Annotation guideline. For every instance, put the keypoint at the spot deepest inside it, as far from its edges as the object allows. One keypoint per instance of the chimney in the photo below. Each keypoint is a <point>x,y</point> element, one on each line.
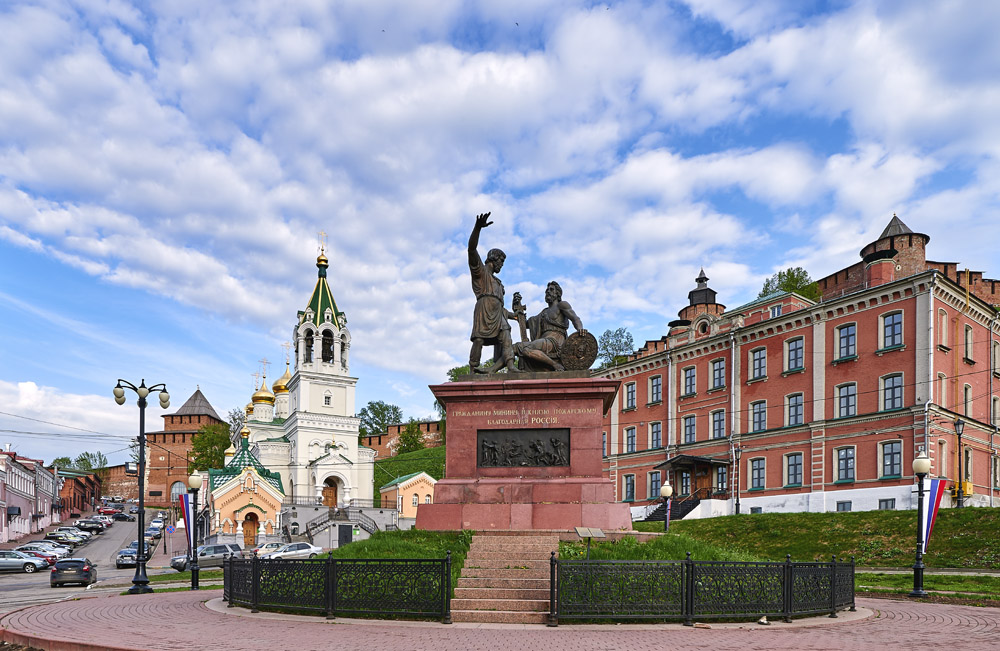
<point>6,447</point>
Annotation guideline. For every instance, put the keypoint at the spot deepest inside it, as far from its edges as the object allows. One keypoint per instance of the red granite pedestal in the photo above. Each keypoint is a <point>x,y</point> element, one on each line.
<point>477,494</point>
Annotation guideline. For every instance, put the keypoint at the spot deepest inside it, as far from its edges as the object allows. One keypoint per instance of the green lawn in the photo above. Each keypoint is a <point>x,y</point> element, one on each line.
<point>177,577</point>
<point>962,538</point>
<point>980,586</point>
<point>429,460</point>
<point>669,547</point>
<point>412,543</point>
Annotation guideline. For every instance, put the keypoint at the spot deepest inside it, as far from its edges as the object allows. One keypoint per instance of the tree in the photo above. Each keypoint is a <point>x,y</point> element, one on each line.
<point>411,438</point>
<point>90,461</point>
<point>237,419</point>
<point>377,416</point>
<point>613,346</point>
<point>208,447</point>
<point>62,462</point>
<point>793,279</point>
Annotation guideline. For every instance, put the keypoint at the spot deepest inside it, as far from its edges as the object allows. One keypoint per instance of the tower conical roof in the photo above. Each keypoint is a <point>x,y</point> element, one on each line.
<point>197,405</point>
<point>322,297</point>
<point>895,227</point>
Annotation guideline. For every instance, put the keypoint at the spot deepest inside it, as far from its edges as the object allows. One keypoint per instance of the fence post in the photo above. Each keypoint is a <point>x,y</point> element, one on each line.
<point>789,586</point>
<point>853,608</point>
<point>447,589</point>
<point>687,596</point>
<point>255,583</point>
<point>553,613</point>
<point>328,587</point>
<point>227,578</point>
<point>833,587</point>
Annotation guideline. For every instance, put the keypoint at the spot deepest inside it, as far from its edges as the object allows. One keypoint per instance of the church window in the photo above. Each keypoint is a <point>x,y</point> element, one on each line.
<point>327,346</point>
<point>427,499</point>
<point>416,499</point>
<point>308,336</point>
<point>326,401</point>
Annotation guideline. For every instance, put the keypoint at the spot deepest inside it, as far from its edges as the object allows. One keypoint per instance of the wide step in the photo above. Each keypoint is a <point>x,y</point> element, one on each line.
<point>527,605</point>
<point>499,617</point>
<point>502,593</point>
<point>503,583</point>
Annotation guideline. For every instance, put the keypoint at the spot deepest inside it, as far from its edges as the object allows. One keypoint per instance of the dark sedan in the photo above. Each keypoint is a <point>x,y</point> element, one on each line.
<point>73,570</point>
<point>125,517</point>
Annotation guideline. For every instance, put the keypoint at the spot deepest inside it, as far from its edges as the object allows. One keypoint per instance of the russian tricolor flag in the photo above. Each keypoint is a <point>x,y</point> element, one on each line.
<point>187,512</point>
<point>933,491</point>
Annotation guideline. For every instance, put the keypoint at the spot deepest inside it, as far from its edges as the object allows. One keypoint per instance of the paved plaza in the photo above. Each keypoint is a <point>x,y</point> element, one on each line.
<point>200,620</point>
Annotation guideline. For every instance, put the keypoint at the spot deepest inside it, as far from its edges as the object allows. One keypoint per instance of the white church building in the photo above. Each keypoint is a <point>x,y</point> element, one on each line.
<point>304,428</point>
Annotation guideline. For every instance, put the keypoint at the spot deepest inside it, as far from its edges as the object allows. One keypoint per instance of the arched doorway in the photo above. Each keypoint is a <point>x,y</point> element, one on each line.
<point>250,525</point>
<point>177,489</point>
<point>330,492</point>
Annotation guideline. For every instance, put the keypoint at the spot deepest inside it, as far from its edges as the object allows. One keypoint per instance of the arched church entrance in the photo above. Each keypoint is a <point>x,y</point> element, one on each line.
<point>250,525</point>
<point>330,492</point>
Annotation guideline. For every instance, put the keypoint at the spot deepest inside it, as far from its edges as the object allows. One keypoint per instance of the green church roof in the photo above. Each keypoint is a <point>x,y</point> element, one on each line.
<point>400,480</point>
<point>241,460</point>
<point>322,298</point>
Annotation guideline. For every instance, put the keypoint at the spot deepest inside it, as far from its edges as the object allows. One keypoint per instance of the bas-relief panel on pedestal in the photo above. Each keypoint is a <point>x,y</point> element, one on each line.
<point>508,448</point>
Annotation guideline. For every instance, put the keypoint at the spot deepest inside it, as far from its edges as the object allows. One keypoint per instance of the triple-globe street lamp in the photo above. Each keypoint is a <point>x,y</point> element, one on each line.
<point>140,582</point>
<point>666,492</point>
<point>194,481</point>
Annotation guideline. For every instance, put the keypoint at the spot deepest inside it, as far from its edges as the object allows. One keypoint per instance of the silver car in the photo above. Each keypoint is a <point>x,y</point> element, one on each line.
<point>12,560</point>
<point>58,552</point>
<point>208,556</point>
<point>296,550</point>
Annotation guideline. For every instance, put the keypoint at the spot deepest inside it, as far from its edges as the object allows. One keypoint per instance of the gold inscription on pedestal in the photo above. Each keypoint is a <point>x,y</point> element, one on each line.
<point>524,416</point>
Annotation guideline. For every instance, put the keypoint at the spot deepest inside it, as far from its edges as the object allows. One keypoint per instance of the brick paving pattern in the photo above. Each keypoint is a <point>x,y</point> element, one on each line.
<point>182,620</point>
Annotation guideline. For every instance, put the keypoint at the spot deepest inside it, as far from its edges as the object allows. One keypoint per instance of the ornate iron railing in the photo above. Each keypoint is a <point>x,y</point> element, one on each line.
<point>412,587</point>
<point>690,590</point>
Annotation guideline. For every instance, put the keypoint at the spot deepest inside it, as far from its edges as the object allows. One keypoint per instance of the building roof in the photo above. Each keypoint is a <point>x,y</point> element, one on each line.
<point>400,480</point>
<point>767,298</point>
<point>895,227</point>
<point>241,460</point>
<point>322,298</point>
<point>197,405</point>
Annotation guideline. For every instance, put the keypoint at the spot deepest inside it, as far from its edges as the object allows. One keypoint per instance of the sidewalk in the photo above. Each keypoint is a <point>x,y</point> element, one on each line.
<point>200,620</point>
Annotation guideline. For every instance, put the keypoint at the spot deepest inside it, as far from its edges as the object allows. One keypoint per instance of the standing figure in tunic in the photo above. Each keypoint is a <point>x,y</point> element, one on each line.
<point>548,330</point>
<point>489,320</point>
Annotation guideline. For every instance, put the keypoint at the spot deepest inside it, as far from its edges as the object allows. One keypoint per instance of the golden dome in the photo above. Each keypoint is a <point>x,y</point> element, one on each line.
<point>262,394</point>
<point>322,261</point>
<point>230,451</point>
<point>249,408</point>
<point>245,432</point>
<point>281,384</point>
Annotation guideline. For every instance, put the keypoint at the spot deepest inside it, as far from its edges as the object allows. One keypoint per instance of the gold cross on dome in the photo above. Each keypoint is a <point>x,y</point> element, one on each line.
<point>263,366</point>
<point>322,241</point>
<point>256,380</point>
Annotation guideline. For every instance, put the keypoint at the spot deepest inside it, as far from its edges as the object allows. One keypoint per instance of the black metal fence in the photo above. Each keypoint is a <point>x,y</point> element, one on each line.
<point>689,590</point>
<point>413,587</point>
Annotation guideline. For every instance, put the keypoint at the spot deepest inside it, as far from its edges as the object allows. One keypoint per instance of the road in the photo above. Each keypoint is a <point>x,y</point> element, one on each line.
<point>18,589</point>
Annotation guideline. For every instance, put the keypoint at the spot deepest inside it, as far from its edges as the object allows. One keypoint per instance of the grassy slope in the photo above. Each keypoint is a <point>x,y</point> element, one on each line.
<point>430,460</point>
<point>673,547</point>
<point>961,538</point>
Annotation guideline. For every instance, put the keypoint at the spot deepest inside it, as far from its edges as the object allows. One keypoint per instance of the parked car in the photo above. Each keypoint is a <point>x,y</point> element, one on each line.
<point>64,538</point>
<point>105,519</point>
<point>133,509</point>
<point>208,556</point>
<point>19,561</point>
<point>51,544</point>
<point>153,533</point>
<point>126,557</point>
<point>158,523</point>
<point>58,552</point>
<point>108,510</point>
<point>73,570</point>
<point>76,531</point>
<point>50,559</point>
<point>92,526</point>
<point>134,545</point>
<point>296,550</point>
<point>266,548</point>
<point>123,517</point>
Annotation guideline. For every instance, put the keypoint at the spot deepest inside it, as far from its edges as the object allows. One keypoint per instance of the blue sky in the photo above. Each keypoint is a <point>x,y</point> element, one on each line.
<point>165,169</point>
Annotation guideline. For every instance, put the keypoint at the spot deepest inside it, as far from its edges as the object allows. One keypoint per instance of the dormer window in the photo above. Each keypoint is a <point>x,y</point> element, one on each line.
<point>775,311</point>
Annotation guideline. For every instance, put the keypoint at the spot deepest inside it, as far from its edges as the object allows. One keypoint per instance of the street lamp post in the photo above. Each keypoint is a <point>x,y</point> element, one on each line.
<point>194,481</point>
<point>959,428</point>
<point>921,466</point>
<point>666,492</point>
<point>140,582</point>
<point>737,453</point>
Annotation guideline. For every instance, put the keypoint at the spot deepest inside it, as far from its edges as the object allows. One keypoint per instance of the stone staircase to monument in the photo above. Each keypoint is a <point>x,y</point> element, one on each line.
<point>505,578</point>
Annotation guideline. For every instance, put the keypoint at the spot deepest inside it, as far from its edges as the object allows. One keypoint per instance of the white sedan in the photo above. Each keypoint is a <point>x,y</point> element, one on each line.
<point>296,550</point>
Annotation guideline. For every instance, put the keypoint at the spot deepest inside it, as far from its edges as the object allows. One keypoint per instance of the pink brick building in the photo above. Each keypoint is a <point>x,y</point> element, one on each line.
<point>825,403</point>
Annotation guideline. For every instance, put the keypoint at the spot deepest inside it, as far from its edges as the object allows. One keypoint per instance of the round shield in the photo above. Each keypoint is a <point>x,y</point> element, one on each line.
<point>579,351</point>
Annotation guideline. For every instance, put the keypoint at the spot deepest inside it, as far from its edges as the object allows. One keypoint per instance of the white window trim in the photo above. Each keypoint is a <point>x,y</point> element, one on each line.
<point>881,458</point>
<point>750,485</point>
<point>788,401</point>
<point>996,471</point>
<point>649,389</point>
<point>942,390</point>
<point>635,395</point>
<point>996,356</point>
<point>967,463</point>
<point>967,400</point>
<point>881,389</point>
<point>836,399</point>
<point>711,371</point>
<point>684,420</point>
<point>943,328</point>
<point>625,484</point>
<point>711,424</point>
<point>634,439</point>
<point>715,478</point>
<point>942,458</point>
<point>784,468</point>
<point>995,411</point>
<point>787,346</point>
<point>857,339</point>
<point>881,326</point>
<point>649,483</point>
<point>649,434</point>
<point>836,462</point>
<point>694,370</point>
<point>967,344</point>
<point>751,419</point>
<point>750,368</point>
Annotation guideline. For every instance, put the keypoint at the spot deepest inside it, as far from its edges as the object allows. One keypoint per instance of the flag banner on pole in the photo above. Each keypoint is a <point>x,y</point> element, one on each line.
<point>934,491</point>
<point>186,511</point>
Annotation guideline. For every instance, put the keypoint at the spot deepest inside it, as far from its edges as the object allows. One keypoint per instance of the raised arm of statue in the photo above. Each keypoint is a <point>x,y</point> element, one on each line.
<point>482,221</point>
